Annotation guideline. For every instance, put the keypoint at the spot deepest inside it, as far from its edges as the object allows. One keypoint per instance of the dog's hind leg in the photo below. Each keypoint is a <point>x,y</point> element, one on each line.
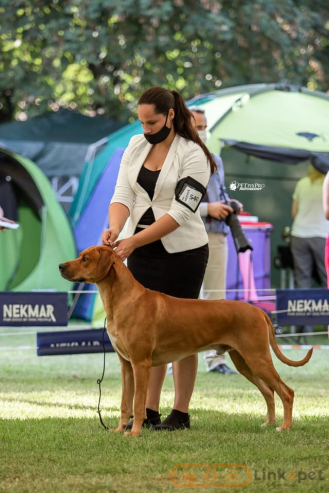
<point>267,392</point>
<point>127,394</point>
<point>141,378</point>
<point>261,365</point>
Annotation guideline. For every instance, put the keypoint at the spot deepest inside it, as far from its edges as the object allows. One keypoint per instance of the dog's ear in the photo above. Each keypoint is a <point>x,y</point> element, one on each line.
<point>105,261</point>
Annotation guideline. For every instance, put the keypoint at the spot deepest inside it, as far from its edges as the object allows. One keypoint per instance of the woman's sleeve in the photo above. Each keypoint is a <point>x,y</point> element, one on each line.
<point>123,192</point>
<point>196,167</point>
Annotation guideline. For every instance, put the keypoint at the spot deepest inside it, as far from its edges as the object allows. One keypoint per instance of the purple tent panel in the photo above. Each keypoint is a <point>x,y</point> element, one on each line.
<point>260,238</point>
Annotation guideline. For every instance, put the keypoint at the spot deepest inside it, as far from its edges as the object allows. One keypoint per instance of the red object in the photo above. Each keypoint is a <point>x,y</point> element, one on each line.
<point>256,225</point>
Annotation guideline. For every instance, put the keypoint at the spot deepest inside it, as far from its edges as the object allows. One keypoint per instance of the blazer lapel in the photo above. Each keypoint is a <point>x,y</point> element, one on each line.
<point>166,166</point>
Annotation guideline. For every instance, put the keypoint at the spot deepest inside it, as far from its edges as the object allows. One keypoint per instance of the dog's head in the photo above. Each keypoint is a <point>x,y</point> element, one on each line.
<point>92,265</point>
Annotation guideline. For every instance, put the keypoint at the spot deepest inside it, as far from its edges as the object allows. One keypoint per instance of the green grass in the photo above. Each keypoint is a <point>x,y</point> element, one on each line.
<point>51,439</point>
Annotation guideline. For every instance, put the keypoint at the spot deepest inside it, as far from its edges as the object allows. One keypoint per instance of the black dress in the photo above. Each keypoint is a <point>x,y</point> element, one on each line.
<point>176,274</point>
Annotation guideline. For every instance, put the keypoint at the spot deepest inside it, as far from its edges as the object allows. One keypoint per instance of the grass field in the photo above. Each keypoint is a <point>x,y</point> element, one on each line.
<point>52,441</point>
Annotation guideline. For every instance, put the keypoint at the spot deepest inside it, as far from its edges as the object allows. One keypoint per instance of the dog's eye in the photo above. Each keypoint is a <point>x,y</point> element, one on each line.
<point>84,259</point>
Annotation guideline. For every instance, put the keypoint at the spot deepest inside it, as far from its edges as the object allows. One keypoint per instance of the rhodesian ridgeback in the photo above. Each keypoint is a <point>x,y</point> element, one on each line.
<point>148,328</point>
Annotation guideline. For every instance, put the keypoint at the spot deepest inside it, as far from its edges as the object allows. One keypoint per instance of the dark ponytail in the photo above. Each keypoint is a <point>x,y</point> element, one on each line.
<point>163,100</point>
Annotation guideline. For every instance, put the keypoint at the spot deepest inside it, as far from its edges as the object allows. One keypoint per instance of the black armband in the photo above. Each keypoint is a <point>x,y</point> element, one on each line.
<point>190,193</point>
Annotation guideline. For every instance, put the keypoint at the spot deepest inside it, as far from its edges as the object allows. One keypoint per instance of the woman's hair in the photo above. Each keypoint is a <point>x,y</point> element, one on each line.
<point>164,100</point>
<point>314,174</point>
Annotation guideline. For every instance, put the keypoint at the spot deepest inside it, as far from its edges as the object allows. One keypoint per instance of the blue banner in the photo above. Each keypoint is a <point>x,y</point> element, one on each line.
<point>302,306</point>
<point>73,342</point>
<point>33,309</point>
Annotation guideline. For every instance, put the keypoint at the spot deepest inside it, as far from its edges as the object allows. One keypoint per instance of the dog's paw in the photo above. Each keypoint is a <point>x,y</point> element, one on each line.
<point>132,433</point>
<point>283,428</point>
<point>268,423</point>
<point>117,430</point>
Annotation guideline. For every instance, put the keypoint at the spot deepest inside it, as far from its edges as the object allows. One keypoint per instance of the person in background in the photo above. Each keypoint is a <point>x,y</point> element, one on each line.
<point>309,231</point>
<point>214,211</point>
<point>4,219</point>
<point>165,241</point>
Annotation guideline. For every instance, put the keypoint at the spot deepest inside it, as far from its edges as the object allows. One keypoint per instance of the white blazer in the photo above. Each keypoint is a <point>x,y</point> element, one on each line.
<point>185,158</point>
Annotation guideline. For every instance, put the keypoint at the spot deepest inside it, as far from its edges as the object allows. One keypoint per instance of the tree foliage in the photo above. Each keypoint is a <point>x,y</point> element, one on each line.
<point>98,56</point>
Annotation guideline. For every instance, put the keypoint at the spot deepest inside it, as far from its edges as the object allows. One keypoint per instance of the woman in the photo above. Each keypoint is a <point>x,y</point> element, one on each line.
<point>162,179</point>
<point>309,229</point>
<point>309,232</point>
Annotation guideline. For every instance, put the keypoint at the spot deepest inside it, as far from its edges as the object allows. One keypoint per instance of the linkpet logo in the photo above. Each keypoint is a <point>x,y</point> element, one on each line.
<point>234,476</point>
<point>246,187</point>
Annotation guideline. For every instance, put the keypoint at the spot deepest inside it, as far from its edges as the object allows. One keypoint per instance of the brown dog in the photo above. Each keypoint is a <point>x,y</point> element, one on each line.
<point>148,328</point>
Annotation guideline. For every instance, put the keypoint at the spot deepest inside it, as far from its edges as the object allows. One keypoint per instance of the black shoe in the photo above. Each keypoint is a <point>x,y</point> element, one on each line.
<point>176,420</point>
<point>152,418</point>
<point>223,369</point>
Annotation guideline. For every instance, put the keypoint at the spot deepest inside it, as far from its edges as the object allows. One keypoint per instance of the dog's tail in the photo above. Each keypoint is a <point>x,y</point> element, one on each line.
<point>277,351</point>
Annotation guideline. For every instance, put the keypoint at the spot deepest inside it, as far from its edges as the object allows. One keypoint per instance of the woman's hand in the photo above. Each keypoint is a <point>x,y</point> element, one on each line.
<point>219,210</point>
<point>240,206</point>
<point>110,235</point>
<point>124,248</point>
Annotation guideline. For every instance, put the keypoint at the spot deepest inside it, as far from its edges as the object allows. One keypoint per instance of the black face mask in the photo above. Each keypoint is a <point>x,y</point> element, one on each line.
<point>159,136</point>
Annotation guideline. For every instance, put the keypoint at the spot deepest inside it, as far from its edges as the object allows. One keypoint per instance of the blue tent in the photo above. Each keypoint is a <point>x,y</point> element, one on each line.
<point>92,222</point>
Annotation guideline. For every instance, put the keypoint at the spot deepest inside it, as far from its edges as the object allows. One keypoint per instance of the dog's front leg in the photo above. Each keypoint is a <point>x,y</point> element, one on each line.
<point>141,377</point>
<point>127,377</point>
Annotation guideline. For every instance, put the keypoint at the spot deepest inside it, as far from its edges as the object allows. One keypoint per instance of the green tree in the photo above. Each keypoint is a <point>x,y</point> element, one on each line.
<point>99,56</point>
